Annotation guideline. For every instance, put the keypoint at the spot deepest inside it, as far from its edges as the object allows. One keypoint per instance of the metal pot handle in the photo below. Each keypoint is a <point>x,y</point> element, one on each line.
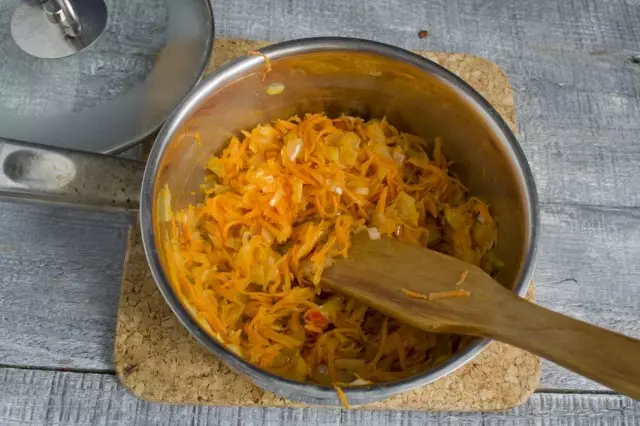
<point>33,172</point>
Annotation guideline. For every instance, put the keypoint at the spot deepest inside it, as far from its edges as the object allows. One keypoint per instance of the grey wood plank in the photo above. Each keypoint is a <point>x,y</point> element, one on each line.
<point>578,99</point>
<point>588,269</point>
<point>56,398</point>
<point>60,284</point>
<point>577,89</point>
<point>61,274</point>
<point>571,65</point>
<point>577,94</point>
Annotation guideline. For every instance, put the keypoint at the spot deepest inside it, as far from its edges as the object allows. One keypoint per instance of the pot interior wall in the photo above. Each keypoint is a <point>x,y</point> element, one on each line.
<point>369,86</point>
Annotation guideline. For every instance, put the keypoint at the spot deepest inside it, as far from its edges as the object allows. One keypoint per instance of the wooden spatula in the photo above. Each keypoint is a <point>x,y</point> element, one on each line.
<point>426,289</point>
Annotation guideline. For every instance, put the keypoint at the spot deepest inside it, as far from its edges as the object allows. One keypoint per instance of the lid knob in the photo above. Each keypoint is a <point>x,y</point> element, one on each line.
<point>63,13</point>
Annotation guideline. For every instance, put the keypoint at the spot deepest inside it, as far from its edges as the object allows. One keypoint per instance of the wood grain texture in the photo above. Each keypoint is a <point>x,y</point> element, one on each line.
<point>59,312</point>
<point>56,398</point>
<point>60,283</point>
<point>488,309</point>
<point>577,92</point>
<point>570,64</point>
<point>587,268</point>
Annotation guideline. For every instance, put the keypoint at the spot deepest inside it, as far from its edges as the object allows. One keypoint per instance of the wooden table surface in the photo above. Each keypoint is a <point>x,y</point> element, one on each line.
<point>575,68</point>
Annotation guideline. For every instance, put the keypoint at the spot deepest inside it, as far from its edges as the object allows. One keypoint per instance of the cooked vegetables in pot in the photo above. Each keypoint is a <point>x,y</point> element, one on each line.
<point>279,203</point>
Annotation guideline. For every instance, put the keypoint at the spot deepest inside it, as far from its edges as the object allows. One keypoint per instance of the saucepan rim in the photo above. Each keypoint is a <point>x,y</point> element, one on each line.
<point>227,74</point>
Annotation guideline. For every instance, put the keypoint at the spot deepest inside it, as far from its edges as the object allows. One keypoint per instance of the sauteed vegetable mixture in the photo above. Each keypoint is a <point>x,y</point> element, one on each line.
<point>279,203</point>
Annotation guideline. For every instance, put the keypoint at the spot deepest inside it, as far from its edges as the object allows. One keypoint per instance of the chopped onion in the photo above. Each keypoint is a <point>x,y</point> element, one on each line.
<point>216,166</point>
<point>406,206</point>
<point>399,156</point>
<point>164,202</point>
<point>374,234</point>
<point>374,131</point>
<point>348,155</point>
<point>204,275</point>
<point>296,186</point>
<point>351,139</point>
<point>333,154</point>
<point>256,160</point>
<point>276,198</point>
<point>246,236</point>
<point>362,191</point>
<point>235,349</point>
<point>275,89</point>
<point>220,189</point>
<point>267,134</point>
<point>293,149</point>
<point>382,150</point>
<point>268,236</point>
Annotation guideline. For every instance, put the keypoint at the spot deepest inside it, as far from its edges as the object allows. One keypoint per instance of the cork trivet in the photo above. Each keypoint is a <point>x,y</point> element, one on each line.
<point>157,359</point>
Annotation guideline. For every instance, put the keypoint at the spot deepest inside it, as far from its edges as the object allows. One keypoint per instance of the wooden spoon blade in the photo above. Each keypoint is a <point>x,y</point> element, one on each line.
<point>383,273</point>
<point>396,278</point>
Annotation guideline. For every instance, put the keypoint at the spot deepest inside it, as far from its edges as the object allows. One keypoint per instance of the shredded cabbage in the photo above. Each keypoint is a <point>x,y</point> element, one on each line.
<point>280,203</point>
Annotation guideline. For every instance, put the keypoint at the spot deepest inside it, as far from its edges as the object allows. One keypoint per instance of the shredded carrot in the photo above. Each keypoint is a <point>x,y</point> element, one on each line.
<point>382,344</point>
<point>343,398</point>
<point>283,200</point>
<point>449,294</point>
<point>267,62</point>
<point>415,294</point>
<point>463,277</point>
<point>438,295</point>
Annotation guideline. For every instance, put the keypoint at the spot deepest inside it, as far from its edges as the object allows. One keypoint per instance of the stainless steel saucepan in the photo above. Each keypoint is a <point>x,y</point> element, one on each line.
<point>334,75</point>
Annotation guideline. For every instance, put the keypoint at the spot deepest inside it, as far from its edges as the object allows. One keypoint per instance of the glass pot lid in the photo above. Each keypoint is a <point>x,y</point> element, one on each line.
<point>98,75</point>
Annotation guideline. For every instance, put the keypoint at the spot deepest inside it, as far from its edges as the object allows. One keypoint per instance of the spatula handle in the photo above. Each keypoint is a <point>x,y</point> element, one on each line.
<point>607,357</point>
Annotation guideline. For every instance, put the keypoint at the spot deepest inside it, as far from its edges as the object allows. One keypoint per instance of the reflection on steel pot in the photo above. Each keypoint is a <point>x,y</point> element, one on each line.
<point>334,75</point>
<point>54,175</point>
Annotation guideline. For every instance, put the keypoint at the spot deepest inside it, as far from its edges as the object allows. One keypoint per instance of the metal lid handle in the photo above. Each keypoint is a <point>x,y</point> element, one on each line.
<point>62,12</point>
